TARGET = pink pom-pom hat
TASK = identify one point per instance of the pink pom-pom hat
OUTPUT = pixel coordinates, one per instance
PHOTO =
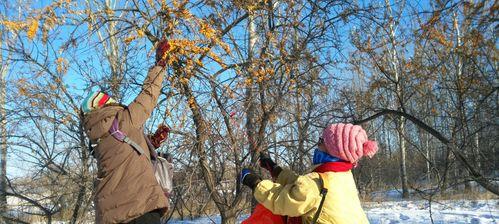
(348, 142)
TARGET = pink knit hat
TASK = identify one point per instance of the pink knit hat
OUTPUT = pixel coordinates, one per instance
(348, 142)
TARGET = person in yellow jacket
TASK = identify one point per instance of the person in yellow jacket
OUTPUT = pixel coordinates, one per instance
(293, 195)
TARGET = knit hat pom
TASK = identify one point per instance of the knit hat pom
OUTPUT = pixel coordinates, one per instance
(370, 148)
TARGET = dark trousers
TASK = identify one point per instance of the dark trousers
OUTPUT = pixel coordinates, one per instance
(148, 218)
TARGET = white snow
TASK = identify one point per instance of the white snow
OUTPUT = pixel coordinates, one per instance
(453, 211)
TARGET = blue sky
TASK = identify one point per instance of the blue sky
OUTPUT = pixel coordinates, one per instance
(93, 57)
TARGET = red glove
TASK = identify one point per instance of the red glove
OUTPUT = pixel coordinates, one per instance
(160, 135)
(161, 50)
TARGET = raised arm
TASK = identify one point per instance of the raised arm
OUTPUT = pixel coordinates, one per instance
(141, 108)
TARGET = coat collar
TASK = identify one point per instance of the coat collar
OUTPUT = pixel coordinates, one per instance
(333, 167)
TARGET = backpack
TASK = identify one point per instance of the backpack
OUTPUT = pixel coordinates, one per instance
(163, 169)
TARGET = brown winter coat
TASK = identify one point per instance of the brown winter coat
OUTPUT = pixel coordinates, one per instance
(125, 187)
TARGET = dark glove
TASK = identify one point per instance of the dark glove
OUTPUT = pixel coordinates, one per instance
(267, 163)
(166, 156)
(161, 50)
(160, 135)
(249, 178)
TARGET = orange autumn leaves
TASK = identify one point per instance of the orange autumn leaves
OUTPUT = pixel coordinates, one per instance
(259, 72)
(188, 49)
(31, 27)
(139, 34)
(39, 20)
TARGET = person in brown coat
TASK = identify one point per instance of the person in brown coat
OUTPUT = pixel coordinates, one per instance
(126, 190)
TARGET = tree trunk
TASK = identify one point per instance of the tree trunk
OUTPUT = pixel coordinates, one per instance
(400, 100)
(445, 175)
(82, 191)
(3, 137)
(387, 141)
(428, 159)
(403, 166)
(250, 102)
(228, 218)
(477, 151)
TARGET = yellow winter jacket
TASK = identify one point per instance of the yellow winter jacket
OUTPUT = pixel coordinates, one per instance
(294, 195)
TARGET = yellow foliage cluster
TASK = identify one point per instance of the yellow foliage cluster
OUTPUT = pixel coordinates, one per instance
(185, 49)
(52, 87)
(47, 16)
(217, 59)
(129, 39)
(185, 53)
(168, 113)
(13, 25)
(140, 33)
(109, 11)
(212, 36)
(206, 30)
(181, 11)
(225, 47)
(260, 71)
(182, 52)
(33, 27)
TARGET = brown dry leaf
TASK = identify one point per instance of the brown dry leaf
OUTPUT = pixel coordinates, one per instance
(62, 65)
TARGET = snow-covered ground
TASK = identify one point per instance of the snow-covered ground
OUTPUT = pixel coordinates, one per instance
(454, 211)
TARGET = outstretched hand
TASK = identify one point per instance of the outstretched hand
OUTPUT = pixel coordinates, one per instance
(266, 162)
(160, 135)
(161, 50)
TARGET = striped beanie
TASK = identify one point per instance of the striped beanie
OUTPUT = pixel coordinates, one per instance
(95, 100)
